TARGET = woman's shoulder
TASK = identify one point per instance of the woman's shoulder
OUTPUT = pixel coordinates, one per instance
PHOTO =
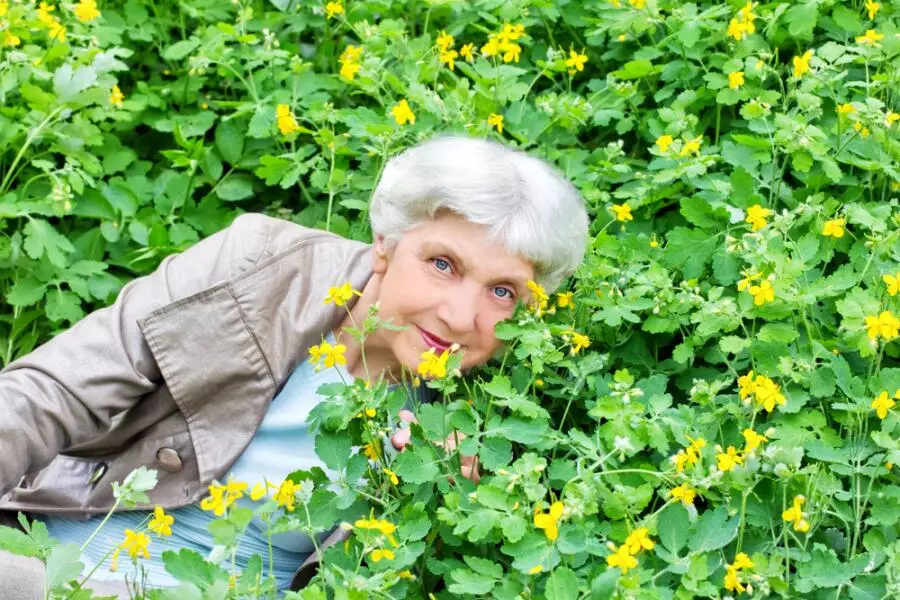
(280, 235)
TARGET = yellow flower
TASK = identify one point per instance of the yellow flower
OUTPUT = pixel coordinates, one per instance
(654, 243)
(729, 459)
(891, 117)
(752, 440)
(691, 146)
(742, 561)
(539, 297)
(444, 41)
(548, 521)
(511, 33)
(756, 216)
(736, 29)
(351, 54)
(535, 569)
(639, 540)
(564, 300)
(287, 124)
(447, 57)
(623, 212)
(161, 523)
(496, 120)
(863, 131)
(768, 393)
(116, 97)
(492, 47)
(801, 63)
(733, 581)
(259, 490)
(403, 114)
(4, 7)
(349, 60)
(392, 476)
(735, 79)
(136, 543)
(685, 493)
(834, 227)
(882, 404)
(10, 40)
(795, 514)
(746, 16)
(871, 38)
(893, 283)
(663, 142)
(622, 559)
(746, 385)
(222, 496)
(433, 365)
(576, 61)
(747, 281)
(349, 70)
(287, 495)
(86, 10)
(885, 325)
(379, 553)
(370, 451)
(406, 574)
(846, 109)
(872, 8)
(467, 52)
(333, 8)
(328, 355)
(340, 294)
(638, 4)
(385, 527)
(579, 341)
(511, 52)
(762, 293)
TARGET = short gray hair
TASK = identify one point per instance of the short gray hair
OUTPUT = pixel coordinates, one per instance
(527, 206)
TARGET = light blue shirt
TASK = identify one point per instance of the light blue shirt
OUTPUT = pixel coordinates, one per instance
(282, 445)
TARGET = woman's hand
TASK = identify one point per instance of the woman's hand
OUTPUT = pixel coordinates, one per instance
(468, 464)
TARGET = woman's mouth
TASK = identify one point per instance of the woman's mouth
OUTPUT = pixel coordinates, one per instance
(439, 344)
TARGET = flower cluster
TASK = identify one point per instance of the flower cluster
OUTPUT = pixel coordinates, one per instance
(349, 61)
(386, 530)
(447, 54)
(762, 291)
(539, 297)
(284, 117)
(764, 391)
(86, 10)
(625, 556)
(504, 43)
(549, 521)
(884, 325)
(341, 294)
(137, 543)
(883, 403)
(50, 22)
(690, 455)
(403, 114)
(433, 365)
(742, 25)
(834, 227)
(332, 9)
(221, 497)
(796, 515)
(733, 581)
(327, 355)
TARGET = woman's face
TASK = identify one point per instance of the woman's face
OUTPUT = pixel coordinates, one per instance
(447, 283)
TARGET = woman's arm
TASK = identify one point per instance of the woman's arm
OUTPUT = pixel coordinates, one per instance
(66, 391)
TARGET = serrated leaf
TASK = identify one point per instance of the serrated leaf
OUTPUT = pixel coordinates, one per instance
(714, 530)
(416, 465)
(562, 584)
(42, 239)
(334, 449)
(187, 565)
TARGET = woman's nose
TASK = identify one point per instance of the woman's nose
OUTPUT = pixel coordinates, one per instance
(458, 311)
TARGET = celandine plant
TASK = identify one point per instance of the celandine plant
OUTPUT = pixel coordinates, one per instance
(707, 410)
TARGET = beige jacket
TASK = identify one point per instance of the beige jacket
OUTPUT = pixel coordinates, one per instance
(176, 375)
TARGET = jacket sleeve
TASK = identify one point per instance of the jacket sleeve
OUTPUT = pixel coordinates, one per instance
(66, 391)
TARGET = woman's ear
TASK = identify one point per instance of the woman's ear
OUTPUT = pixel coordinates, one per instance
(379, 255)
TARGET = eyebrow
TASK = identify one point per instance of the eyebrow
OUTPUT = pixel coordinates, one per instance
(518, 280)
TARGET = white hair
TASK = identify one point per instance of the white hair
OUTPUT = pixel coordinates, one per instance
(527, 206)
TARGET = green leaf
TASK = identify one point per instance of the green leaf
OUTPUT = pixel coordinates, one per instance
(18, 542)
(334, 449)
(42, 239)
(689, 250)
(495, 453)
(802, 19)
(782, 333)
(714, 530)
(674, 528)
(562, 584)
(68, 83)
(63, 565)
(187, 565)
(230, 141)
(26, 291)
(236, 187)
(179, 50)
(417, 465)
(484, 567)
(732, 344)
(64, 306)
(465, 581)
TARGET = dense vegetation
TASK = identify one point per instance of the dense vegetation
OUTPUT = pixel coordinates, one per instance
(706, 410)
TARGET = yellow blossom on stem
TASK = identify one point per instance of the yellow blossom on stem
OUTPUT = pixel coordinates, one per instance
(535, 569)
(259, 490)
(548, 521)
(136, 543)
(392, 476)
(801, 64)
(622, 212)
(885, 325)
(284, 117)
(382, 553)
(639, 540)
(340, 294)
(691, 146)
(795, 515)
(735, 79)
(116, 97)
(495, 120)
(762, 293)
(883, 403)
(768, 393)
(492, 47)
(161, 523)
(846, 109)
(729, 459)
(871, 38)
(444, 41)
(622, 559)
(370, 451)
(834, 227)
(742, 561)
(752, 440)
(286, 495)
(433, 365)
(576, 61)
(10, 40)
(579, 341)
(539, 297)
(685, 493)
(746, 385)
(891, 117)
(733, 581)
(872, 8)
(403, 114)
(349, 60)
(327, 355)
(332, 9)
(893, 283)
(467, 51)
(448, 57)
(564, 300)
(736, 30)
(638, 4)
(756, 216)
(86, 10)
(663, 142)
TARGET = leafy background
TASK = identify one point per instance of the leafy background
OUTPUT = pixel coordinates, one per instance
(129, 136)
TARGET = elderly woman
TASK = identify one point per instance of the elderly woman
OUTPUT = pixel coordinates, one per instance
(199, 369)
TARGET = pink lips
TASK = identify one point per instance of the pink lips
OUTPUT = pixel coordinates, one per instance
(434, 341)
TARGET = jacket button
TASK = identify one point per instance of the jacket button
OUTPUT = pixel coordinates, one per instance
(169, 460)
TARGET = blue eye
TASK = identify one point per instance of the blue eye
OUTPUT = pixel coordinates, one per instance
(441, 264)
(506, 292)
